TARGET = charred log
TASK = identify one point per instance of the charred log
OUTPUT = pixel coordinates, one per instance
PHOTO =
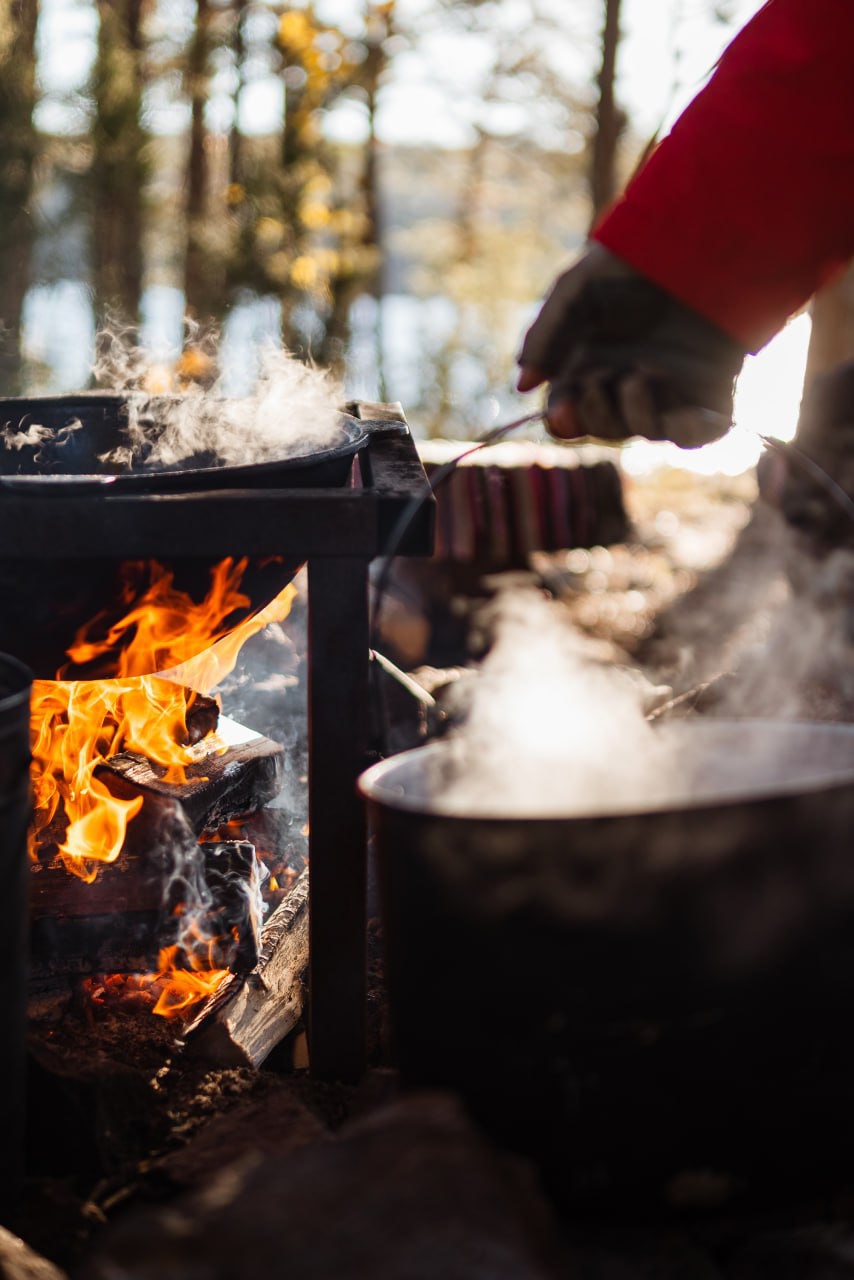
(140, 903)
(219, 788)
(159, 841)
(250, 1014)
(202, 717)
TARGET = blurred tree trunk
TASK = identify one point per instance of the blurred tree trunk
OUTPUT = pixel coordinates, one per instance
(235, 137)
(203, 286)
(379, 26)
(832, 337)
(18, 151)
(378, 30)
(610, 120)
(119, 164)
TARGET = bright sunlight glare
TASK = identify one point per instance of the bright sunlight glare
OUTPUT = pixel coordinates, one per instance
(767, 400)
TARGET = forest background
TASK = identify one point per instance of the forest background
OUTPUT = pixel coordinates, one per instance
(253, 167)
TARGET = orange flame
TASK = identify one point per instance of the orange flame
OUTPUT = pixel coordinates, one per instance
(170, 992)
(182, 989)
(165, 626)
(78, 725)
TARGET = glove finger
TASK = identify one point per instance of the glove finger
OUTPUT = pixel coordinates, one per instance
(616, 404)
(656, 407)
(595, 406)
(562, 421)
(638, 408)
(690, 428)
(559, 324)
(530, 377)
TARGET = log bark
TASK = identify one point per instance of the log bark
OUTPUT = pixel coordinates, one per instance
(251, 1014)
(139, 904)
(19, 1262)
(159, 840)
(202, 717)
(218, 788)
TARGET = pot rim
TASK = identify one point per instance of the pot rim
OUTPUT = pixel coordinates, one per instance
(377, 783)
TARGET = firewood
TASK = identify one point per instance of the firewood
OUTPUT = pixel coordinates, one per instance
(132, 909)
(137, 904)
(218, 788)
(234, 919)
(202, 717)
(19, 1262)
(250, 1014)
(113, 942)
(158, 839)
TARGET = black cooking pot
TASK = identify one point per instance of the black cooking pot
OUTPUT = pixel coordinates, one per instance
(630, 996)
(15, 683)
(46, 602)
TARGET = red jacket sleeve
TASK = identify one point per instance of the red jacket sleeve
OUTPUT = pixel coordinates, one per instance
(747, 207)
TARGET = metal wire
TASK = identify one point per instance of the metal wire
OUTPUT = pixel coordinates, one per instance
(412, 508)
(803, 460)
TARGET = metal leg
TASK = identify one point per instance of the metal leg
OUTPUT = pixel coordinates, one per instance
(338, 735)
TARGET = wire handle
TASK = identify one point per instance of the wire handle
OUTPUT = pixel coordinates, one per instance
(808, 464)
(412, 508)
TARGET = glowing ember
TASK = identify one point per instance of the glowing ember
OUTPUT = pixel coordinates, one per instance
(170, 993)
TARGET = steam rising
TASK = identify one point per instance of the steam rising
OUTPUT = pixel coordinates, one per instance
(21, 437)
(548, 732)
(182, 416)
(551, 734)
(776, 621)
(804, 669)
(292, 411)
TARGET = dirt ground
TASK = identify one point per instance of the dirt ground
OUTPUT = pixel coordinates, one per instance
(151, 1166)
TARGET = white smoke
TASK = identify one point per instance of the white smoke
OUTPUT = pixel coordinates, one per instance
(292, 412)
(20, 437)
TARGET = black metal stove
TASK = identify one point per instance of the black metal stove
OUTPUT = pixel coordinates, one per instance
(337, 531)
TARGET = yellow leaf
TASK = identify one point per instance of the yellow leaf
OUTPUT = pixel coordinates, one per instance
(314, 215)
(304, 273)
(295, 29)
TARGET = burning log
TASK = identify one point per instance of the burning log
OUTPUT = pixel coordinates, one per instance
(158, 841)
(231, 874)
(218, 788)
(163, 884)
(251, 1013)
(202, 717)
(141, 903)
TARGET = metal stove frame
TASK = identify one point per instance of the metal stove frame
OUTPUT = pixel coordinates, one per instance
(337, 531)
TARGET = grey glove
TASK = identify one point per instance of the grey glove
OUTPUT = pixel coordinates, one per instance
(624, 358)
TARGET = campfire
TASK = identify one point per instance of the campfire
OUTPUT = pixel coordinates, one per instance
(137, 852)
(142, 890)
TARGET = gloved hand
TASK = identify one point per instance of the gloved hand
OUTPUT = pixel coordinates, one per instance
(624, 358)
